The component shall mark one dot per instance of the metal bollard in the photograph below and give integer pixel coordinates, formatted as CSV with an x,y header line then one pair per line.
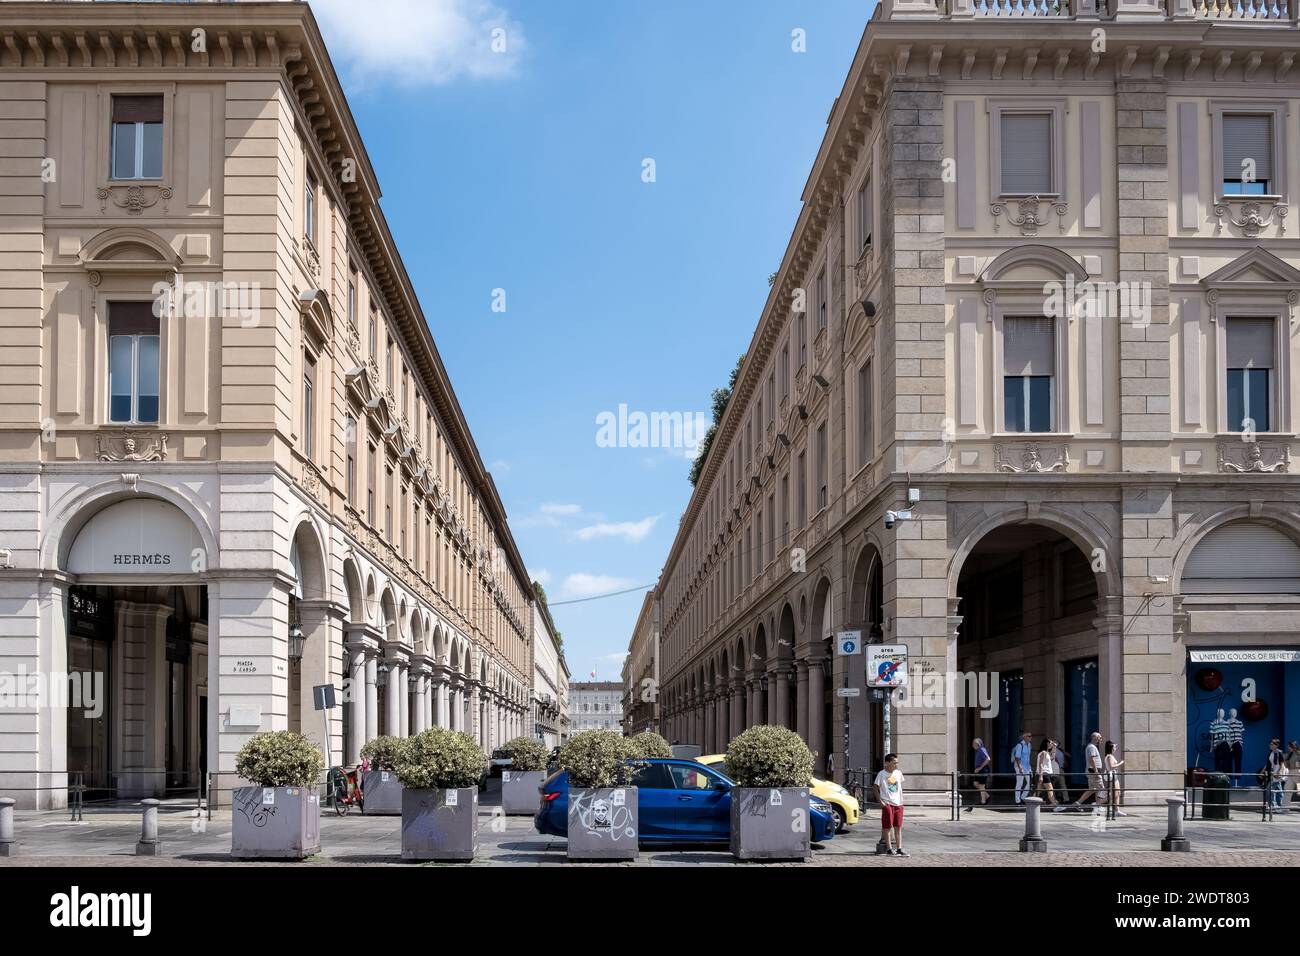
x,y
1176,841
8,845
1032,841
149,844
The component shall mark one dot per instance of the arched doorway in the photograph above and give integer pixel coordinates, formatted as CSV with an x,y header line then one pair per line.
x,y
1028,653
135,622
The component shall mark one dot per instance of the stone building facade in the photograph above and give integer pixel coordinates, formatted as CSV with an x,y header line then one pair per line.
x,y
232,464
1044,278
641,671
595,705
546,699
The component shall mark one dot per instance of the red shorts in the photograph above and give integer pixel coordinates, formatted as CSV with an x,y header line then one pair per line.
x,y
891,817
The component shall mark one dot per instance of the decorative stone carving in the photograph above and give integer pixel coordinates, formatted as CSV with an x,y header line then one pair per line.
x,y
134,199
1254,216
314,483
1027,216
312,258
125,446
1246,457
1031,457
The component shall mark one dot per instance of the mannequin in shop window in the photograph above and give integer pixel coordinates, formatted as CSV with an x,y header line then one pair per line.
x,y
1219,743
1236,736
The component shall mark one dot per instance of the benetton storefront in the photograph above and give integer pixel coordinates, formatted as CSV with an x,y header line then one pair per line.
x,y
1239,699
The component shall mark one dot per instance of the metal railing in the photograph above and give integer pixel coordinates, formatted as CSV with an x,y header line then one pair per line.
x,y
956,792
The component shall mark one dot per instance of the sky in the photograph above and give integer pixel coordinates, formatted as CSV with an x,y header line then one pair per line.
x,y
589,196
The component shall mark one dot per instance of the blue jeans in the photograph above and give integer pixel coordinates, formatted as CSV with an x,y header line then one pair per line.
x,y
1276,786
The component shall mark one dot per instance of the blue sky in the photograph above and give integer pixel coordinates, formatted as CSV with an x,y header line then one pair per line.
x,y
523,171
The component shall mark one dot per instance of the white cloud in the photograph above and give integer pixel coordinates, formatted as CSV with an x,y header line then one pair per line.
x,y
542,577
419,42
499,467
551,508
616,658
589,585
631,531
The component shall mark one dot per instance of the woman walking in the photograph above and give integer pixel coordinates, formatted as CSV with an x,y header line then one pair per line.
x,y
1111,778
1049,773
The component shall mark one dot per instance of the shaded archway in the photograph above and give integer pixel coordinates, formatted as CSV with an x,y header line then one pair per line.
x,y
1028,638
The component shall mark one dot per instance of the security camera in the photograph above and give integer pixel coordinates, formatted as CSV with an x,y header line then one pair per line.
x,y
890,519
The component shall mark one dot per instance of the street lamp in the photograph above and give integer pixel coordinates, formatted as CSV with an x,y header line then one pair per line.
x,y
296,641
381,675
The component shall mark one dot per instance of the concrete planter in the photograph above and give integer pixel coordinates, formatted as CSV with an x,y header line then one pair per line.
x,y
520,790
603,824
383,794
770,824
275,823
440,824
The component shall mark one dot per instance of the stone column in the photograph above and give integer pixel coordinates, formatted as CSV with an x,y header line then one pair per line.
x,y
357,689
404,699
721,731
440,689
770,711
393,702
421,703
802,717
710,724
816,712
737,722
372,697
782,697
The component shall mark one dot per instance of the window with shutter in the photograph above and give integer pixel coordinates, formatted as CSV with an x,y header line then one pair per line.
x,y
137,137
1028,371
1026,140
1247,154
866,217
1249,371
1243,557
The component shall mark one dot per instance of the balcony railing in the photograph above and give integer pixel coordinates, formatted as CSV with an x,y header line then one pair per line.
x,y
1282,12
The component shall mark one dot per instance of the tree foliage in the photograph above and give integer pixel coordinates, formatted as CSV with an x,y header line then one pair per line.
x,y
721,398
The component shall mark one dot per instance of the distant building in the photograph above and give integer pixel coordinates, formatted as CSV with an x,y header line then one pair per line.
x,y
596,705
641,670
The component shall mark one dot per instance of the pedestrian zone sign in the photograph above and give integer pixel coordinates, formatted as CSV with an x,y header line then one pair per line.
x,y
848,642
887,665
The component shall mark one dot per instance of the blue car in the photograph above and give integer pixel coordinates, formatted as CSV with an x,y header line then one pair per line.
x,y
680,801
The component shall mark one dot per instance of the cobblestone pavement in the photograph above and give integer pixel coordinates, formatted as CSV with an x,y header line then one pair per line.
x,y
982,838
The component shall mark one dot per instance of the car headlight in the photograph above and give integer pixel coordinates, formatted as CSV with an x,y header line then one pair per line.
x,y
821,805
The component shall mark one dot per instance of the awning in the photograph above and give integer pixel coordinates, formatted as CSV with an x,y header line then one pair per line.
x,y
1246,655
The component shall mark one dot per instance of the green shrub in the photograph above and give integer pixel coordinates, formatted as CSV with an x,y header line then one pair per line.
x,y
767,756
440,759
597,758
526,753
384,753
649,744
280,758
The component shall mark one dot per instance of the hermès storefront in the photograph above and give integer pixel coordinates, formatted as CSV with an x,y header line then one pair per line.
x,y
1020,399
232,465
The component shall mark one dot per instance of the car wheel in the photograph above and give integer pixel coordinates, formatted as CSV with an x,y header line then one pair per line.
x,y
837,819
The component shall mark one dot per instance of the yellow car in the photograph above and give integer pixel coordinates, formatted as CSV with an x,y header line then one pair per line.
x,y
844,806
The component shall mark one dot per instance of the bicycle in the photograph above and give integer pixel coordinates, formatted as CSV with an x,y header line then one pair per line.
x,y
345,790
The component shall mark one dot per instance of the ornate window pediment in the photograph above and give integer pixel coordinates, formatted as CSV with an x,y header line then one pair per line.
x,y
1027,267
317,317
1255,271
128,250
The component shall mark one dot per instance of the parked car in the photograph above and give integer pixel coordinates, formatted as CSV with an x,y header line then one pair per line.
x,y
500,760
679,801
844,806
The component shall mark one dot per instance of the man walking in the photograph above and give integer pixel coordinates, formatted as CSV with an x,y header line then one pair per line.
x,y
888,790
1096,788
1022,759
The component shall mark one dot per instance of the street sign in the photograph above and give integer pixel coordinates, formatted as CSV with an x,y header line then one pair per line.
x,y
847,691
848,642
323,696
887,665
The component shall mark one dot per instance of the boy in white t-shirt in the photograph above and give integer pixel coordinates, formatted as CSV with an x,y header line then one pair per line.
x,y
888,789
